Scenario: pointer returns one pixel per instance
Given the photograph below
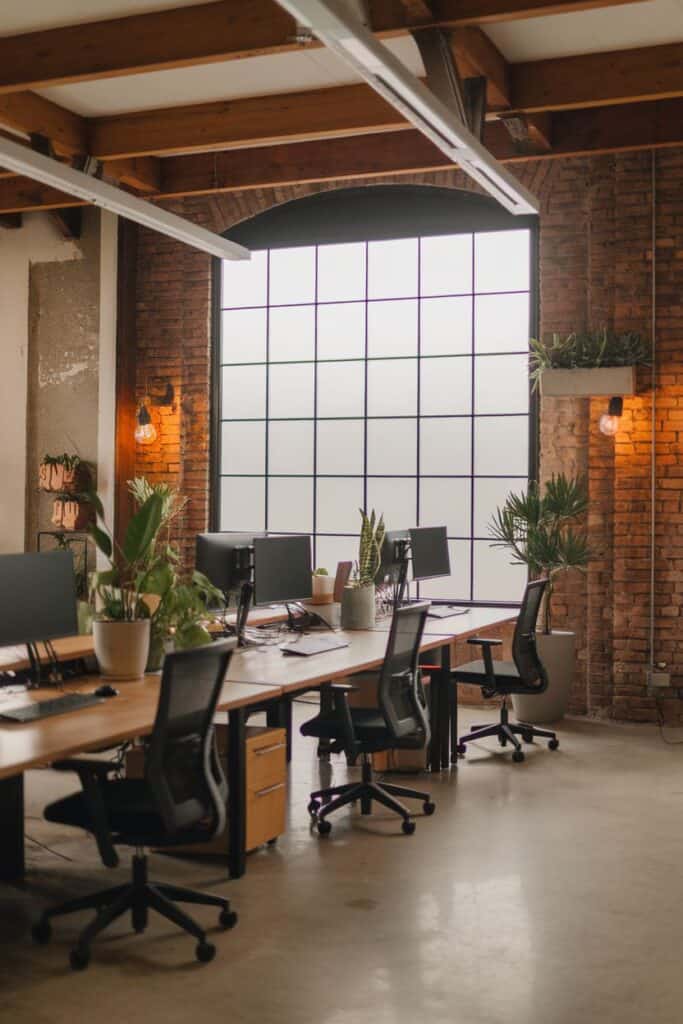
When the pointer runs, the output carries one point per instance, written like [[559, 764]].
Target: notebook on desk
[[444, 611], [308, 645]]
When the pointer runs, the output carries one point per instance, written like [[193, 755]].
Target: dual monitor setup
[[266, 570]]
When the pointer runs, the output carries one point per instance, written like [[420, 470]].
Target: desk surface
[[460, 627], [116, 719]]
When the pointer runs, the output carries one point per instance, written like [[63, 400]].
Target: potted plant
[[322, 587], [178, 602], [121, 630], [588, 362], [540, 530], [358, 599], [65, 474]]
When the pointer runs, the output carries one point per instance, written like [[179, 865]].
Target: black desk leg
[[453, 707], [237, 795], [12, 863], [445, 705], [434, 758], [279, 716]]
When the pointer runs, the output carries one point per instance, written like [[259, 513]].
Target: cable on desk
[[48, 849]]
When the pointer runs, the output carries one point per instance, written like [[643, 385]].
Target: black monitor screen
[[224, 558], [282, 569], [429, 547], [37, 597]]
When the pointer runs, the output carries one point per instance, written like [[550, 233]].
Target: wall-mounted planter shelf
[[600, 380]]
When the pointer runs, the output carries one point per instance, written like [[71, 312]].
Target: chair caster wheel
[[553, 744], [518, 756], [528, 737], [408, 827], [79, 958], [42, 932], [314, 807], [205, 952], [461, 749], [324, 827], [428, 807], [228, 919]]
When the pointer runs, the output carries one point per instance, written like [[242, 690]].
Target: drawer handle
[[268, 750], [270, 789]]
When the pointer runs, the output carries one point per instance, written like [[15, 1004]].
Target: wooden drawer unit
[[266, 770]]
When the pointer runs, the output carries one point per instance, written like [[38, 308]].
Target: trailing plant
[[369, 549], [539, 527], [587, 349], [70, 462]]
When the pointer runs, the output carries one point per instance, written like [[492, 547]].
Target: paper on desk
[[11, 655]]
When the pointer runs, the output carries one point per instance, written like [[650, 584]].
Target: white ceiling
[[609, 28], [255, 76], [30, 15]]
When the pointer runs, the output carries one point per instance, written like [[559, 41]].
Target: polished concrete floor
[[544, 892]]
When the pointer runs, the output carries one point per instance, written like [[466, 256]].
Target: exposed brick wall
[[595, 268]]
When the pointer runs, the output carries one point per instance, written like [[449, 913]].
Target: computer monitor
[[37, 597], [282, 569], [429, 550], [225, 558], [394, 556]]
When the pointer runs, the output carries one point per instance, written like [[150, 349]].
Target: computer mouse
[[106, 691]]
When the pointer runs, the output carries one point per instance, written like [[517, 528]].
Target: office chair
[[525, 674], [181, 799], [399, 720]]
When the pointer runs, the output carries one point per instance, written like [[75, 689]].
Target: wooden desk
[[131, 714]]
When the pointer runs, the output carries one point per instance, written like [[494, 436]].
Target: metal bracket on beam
[[465, 97], [530, 133]]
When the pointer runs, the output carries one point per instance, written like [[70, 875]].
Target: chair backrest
[[398, 688], [524, 652], [182, 771]]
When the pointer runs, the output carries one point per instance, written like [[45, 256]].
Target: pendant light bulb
[[145, 431], [609, 421]]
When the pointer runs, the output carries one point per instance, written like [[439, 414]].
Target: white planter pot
[[556, 651], [358, 607], [122, 648], [322, 590]]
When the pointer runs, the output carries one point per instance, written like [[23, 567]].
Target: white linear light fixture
[[346, 37], [25, 161]]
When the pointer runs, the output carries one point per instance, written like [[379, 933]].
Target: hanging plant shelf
[[598, 380]]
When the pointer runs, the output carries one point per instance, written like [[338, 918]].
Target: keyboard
[[444, 611], [308, 645], [46, 708]]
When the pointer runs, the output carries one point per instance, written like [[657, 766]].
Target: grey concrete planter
[[599, 380], [358, 607], [556, 651]]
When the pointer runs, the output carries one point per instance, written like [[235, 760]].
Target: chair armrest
[[486, 644], [343, 688], [481, 641], [92, 774]]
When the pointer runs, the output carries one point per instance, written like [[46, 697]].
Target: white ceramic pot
[[122, 648], [556, 651], [358, 607], [322, 591]]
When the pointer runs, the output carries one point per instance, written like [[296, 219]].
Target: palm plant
[[539, 527]]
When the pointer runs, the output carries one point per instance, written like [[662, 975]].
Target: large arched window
[[374, 354]]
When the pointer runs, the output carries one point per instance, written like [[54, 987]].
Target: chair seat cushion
[[131, 813], [368, 723]]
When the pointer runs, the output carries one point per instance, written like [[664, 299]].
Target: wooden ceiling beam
[[254, 121], [220, 31], [476, 55], [141, 173], [598, 79], [19, 195], [34, 115]]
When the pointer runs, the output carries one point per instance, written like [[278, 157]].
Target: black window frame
[[368, 214]]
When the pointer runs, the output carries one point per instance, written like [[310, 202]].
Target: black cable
[[660, 722], [48, 849]]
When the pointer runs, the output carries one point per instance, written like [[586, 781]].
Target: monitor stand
[[246, 597]]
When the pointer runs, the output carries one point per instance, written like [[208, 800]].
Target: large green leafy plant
[[145, 579], [540, 528], [585, 350]]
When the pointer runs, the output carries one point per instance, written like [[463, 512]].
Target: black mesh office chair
[[525, 674], [399, 721], [181, 799]]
